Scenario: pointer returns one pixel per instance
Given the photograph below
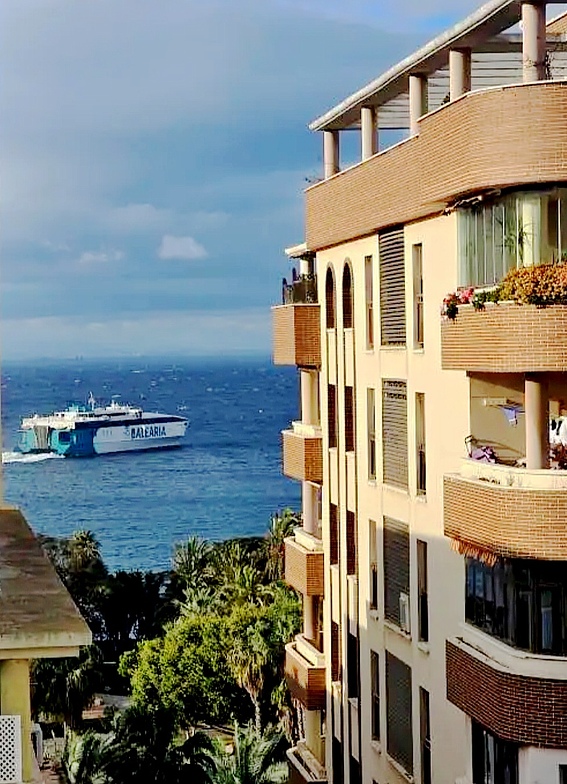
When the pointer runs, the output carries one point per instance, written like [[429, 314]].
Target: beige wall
[[447, 424]]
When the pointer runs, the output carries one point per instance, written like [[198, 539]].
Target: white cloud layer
[[185, 248], [100, 256]]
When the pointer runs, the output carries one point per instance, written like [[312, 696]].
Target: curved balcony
[[305, 673], [496, 147], [296, 324], [527, 710], [303, 453], [505, 511], [506, 338], [304, 563]]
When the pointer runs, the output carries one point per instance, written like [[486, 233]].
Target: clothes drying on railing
[[481, 452], [558, 430]]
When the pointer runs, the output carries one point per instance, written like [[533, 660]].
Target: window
[[495, 761], [373, 566], [318, 622], [563, 774], [399, 712], [425, 736], [332, 414], [396, 572], [335, 652], [355, 774], [338, 761], [520, 602], [369, 296], [519, 229], [420, 443], [395, 432], [353, 687], [352, 534], [330, 299], [392, 288], [347, 297], [375, 677], [349, 420], [371, 430], [334, 532], [422, 598], [417, 258]]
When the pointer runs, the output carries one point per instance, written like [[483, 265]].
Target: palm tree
[[192, 562], [281, 526], [249, 657], [84, 758], [257, 758]]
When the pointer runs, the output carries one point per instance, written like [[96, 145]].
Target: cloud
[[185, 248], [100, 256]]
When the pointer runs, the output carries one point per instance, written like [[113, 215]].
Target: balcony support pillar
[[310, 508], [368, 138], [313, 737], [417, 100], [459, 72], [537, 422], [15, 701], [309, 619], [309, 398], [331, 153], [533, 41]]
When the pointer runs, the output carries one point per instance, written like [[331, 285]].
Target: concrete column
[[310, 508], [368, 132], [313, 740], [459, 72], [331, 153], [417, 100], [536, 406], [533, 32], [309, 413], [307, 265], [309, 619], [15, 701]]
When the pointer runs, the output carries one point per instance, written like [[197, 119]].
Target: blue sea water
[[225, 482]]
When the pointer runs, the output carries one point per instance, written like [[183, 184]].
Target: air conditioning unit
[[404, 613]]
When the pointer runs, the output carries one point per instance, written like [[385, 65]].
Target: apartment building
[[434, 584]]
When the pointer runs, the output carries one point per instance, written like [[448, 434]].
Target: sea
[[224, 482]]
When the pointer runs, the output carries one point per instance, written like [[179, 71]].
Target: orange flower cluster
[[541, 285]]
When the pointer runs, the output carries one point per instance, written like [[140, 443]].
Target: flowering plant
[[451, 303]]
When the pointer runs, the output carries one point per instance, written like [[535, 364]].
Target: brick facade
[[302, 457], [509, 521], [297, 335], [506, 338], [304, 569], [484, 140], [530, 711], [305, 682]]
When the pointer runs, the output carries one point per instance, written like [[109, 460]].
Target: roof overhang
[[497, 59]]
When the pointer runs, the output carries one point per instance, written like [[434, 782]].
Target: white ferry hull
[[138, 438]]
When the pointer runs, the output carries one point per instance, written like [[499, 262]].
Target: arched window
[[347, 297], [330, 299]]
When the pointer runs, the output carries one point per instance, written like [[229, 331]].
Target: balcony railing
[[304, 569], [304, 767], [305, 673], [303, 453], [301, 291], [493, 510], [506, 338], [10, 749]]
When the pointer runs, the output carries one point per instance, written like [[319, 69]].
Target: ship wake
[[20, 457]]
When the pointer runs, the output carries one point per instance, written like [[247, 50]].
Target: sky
[[153, 155]]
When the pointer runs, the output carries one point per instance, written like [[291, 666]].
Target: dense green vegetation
[[198, 646]]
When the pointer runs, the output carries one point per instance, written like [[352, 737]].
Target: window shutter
[[398, 696], [396, 567], [395, 432], [392, 288]]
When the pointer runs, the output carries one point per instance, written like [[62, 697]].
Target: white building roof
[[496, 60]]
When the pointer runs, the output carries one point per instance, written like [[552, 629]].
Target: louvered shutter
[[395, 432], [392, 288], [398, 696], [396, 566]]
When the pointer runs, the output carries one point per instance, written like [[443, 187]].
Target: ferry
[[83, 431]]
